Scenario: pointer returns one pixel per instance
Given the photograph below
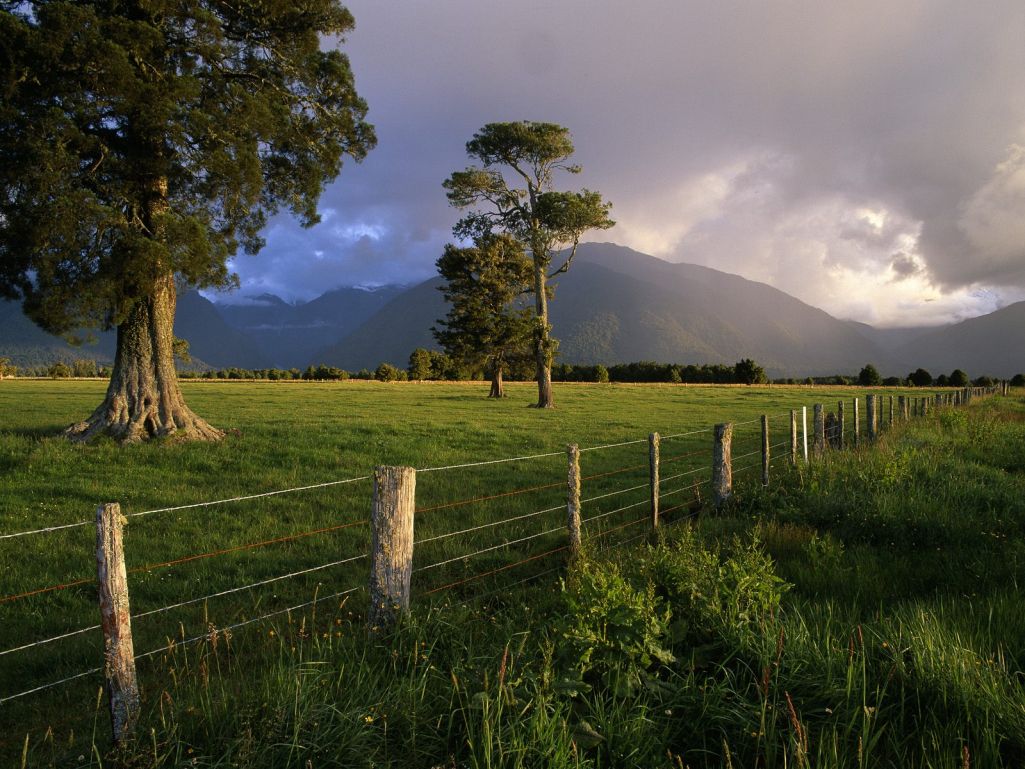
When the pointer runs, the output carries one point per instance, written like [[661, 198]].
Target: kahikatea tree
[[486, 322], [142, 143], [512, 191]]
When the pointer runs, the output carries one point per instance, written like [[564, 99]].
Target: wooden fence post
[[840, 423], [820, 429], [573, 499], [804, 431], [391, 544], [722, 463], [902, 407], [765, 450], [870, 417], [857, 423], [653, 460], [116, 621], [793, 436], [891, 411]]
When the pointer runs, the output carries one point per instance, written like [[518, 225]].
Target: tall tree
[[486, 322], [512, 191], [143, 142]]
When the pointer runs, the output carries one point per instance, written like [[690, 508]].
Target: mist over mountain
[[291, 335], [992, 344], [615, 305]]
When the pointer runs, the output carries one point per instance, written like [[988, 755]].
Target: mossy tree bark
[[144, 399]]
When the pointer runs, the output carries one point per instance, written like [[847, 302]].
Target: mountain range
[[615, 305]]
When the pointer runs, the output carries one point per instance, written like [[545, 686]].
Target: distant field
[[290, 434]]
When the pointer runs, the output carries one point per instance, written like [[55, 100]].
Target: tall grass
[[858, 613]]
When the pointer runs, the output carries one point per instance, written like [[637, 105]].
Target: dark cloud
[[803, 144], [904, 266]]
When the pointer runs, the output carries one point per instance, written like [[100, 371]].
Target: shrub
[[59, 370], [869, 376], [715, 593], [386, 372], [612, 632]]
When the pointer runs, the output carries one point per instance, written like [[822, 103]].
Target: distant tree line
[[433, 365]]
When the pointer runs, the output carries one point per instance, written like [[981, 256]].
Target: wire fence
[[489, 535]]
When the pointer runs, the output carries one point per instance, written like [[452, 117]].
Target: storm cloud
[[868, 158]]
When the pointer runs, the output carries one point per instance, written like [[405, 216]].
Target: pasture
[[289, 435]]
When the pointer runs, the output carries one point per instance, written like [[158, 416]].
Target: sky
[[866, 157]]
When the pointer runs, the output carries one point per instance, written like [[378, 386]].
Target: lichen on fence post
[[654, 445], [391, 544], [573, 499], [722, 463], [116, 622]]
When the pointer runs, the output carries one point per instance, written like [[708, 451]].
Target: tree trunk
[[497, 387], [542, 339], [143, 399]]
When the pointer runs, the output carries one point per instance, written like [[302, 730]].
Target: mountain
[[27, 345], [992, 344], [290, 335], [617, 305], [211, 340]]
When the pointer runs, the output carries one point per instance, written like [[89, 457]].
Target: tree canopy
[[869, 376], [512, 191], [143, 142], [487, 323]]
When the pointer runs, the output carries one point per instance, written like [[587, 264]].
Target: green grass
[[918, 540]]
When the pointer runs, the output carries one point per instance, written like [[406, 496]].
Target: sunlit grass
[[919, 539]]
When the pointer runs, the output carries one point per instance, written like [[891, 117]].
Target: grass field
[[877, 567]]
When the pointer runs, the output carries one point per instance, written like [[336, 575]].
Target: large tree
[[486, 322], [142, 143], [513, 191]]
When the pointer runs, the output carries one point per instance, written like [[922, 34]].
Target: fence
[[663, 487]]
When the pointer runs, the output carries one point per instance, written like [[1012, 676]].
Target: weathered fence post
[[722, 463], [765, 450], [804, 431], [820, 429], [573, 499], [870, 417], [857, 423], [840, 424], [793, 436], [891, 411], [902, 408], [391, 544], [653, 460], [116, 621], [832, 431]]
